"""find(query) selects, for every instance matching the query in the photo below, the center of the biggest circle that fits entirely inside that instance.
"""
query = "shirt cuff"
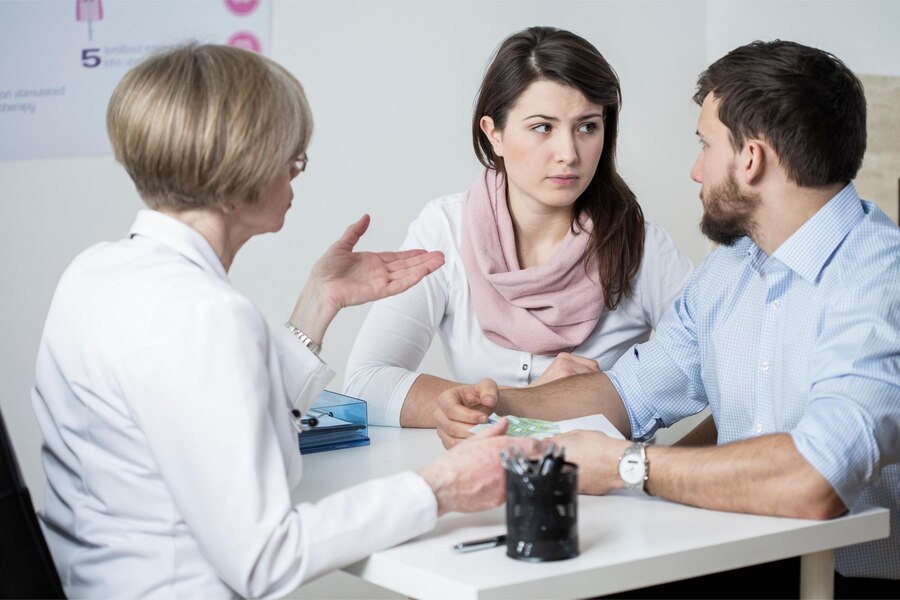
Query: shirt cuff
(838, 441)
(642, 421)
(398, 397)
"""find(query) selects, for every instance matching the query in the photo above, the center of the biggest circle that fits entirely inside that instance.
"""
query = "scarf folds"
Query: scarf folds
(546, 309)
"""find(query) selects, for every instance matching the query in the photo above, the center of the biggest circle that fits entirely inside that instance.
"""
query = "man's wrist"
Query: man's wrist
(634, 467)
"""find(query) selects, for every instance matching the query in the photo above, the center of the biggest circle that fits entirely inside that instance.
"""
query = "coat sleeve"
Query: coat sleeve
(202, 401)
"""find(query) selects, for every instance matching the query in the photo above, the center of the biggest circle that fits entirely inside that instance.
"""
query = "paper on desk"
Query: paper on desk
(538, 429)
(596, 422)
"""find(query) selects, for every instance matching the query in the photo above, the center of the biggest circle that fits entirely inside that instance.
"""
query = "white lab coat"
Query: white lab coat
(164, 401)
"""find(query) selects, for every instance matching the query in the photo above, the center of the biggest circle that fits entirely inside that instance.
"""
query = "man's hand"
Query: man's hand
(566, 365)
(459, 408)
(469, 477)
(597, 456)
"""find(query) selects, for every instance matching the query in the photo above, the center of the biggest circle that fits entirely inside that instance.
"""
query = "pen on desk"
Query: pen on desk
(482, 544)
(318, 412)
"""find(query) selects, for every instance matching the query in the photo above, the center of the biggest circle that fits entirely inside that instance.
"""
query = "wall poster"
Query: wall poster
(61, 59)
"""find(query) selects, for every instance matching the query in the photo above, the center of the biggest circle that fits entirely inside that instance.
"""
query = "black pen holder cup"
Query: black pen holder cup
(542, 515)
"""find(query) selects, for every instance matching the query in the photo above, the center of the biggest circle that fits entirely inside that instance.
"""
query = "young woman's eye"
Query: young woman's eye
(588, 127)
(542, 128)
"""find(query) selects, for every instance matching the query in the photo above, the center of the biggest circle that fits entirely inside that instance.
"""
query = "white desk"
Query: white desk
(626, 541)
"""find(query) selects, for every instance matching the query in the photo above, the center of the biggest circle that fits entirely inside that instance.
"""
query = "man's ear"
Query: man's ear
(494, 135)
(753, 161)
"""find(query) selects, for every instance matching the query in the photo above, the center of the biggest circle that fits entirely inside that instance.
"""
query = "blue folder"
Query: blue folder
(340, 422)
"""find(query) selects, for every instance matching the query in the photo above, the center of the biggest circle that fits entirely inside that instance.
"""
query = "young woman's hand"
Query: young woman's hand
(460, 408)
(566, 365)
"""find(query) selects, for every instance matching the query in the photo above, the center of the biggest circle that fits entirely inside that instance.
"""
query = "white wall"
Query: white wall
(862, 33)
(391, 86)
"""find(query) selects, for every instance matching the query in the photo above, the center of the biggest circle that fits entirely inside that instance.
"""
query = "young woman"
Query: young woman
(550, 268)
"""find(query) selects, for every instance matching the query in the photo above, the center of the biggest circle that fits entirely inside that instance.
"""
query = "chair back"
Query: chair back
(26, 566)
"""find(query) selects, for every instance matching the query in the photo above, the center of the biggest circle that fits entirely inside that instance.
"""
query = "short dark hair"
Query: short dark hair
(550, 54)
(803, 101)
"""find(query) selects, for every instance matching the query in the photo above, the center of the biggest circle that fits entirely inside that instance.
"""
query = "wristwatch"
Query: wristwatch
(634, 467)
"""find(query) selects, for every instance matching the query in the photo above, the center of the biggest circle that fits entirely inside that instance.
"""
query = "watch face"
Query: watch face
(631, 468)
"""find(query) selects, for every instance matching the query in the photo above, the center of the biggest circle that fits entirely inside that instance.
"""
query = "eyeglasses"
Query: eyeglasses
(300, 162)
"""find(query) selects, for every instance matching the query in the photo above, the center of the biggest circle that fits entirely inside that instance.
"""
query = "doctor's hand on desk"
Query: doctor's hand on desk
(460, 408)
(470, 478)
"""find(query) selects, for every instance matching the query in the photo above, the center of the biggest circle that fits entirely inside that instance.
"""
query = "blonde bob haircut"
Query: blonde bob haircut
(204, 125)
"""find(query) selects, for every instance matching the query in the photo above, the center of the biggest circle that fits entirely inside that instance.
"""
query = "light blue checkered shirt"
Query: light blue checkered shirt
(805, 341)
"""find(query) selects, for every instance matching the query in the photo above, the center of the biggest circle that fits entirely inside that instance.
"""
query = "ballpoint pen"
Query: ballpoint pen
(482, 544)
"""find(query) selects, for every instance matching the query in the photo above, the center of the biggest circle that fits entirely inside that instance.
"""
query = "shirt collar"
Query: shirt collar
(810, 247)
(183, 239)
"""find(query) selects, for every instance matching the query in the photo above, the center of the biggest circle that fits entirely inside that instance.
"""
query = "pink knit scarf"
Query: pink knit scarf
(546, 309)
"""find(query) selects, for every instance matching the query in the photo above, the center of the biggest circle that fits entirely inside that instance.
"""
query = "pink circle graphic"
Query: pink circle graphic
(245, 40)
(242, 7)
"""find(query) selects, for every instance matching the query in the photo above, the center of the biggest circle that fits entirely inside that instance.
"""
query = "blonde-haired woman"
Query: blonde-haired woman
(163, 397)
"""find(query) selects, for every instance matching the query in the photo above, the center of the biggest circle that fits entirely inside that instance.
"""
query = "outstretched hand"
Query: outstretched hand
(342, 278)
(350, 278)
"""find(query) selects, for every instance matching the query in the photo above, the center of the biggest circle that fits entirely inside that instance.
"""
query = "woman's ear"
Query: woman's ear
(494, 135)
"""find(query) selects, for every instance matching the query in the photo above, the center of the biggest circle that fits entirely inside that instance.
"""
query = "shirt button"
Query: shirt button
(776, 303)
(525, 367)
(758, 428)
(765, 366)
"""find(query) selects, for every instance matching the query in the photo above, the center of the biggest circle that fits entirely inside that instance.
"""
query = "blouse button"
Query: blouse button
(524, 367)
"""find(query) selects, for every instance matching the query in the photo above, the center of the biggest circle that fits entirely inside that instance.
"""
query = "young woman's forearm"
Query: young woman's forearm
(421, 400)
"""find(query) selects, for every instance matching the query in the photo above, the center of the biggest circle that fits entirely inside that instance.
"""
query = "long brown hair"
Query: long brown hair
(546, 53)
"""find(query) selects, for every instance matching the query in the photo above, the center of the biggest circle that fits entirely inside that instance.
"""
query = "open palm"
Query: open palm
(350, 278)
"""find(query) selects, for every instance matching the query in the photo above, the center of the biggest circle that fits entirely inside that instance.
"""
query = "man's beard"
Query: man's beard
(727, 217)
